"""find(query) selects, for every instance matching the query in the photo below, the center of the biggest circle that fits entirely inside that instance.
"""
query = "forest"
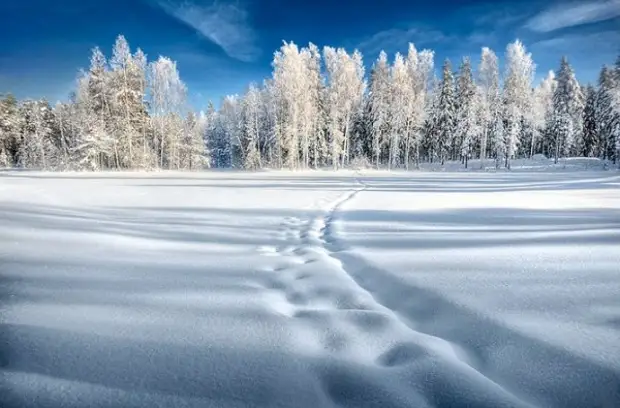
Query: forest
(318, 109)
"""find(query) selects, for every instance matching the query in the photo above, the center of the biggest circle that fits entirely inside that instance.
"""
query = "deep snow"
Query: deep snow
(311, 289)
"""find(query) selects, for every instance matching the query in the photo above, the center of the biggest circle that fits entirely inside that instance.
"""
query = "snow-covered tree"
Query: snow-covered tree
(227, 134)
(490, 101)
(167, 97)
(10, 136)
(606, 116)
(568, 105)
(401, 106)
(517, 95)
(420, 66)
(345, 92)
(591, 142)
(542, 109)
(251, 117)
(38, 149)
(379, 105)
(194, 154)
(127, 97)
(468, 109)
(444, 114)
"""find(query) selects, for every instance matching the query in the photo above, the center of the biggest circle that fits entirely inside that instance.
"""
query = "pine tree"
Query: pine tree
(194, 155)
(542, 111)
(445, 114)
(567, 110)
(10, 124)
(592, 144)
(38, 149)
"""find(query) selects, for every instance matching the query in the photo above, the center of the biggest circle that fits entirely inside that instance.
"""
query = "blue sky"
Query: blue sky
(223, 45)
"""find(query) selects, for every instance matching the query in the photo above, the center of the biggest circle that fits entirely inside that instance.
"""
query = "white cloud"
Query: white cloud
(224, 24)
(574, 14)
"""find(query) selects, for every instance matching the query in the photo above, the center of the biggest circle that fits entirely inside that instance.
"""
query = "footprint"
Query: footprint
(401, 354)
(297, 298)
(276, 284)
(367, 320)
(303, 276)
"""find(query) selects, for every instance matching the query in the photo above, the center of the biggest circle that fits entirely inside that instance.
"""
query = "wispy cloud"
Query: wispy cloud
(587, 52)
(224, 24)
(393, 38)
(574, 14)
(602, 41)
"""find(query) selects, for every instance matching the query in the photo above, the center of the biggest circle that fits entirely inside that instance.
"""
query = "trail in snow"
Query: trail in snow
(350, 323)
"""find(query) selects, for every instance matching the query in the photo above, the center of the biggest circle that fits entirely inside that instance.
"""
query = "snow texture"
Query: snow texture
(311, 289)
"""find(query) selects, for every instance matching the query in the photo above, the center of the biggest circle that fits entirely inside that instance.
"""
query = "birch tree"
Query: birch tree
(401, 106)
(345, 91)
(517, 94)
(167, 95)
(251, 127)
(490, 99)
(467, 125)
(379, 105)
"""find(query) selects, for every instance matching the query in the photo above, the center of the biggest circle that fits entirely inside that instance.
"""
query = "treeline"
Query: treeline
(317, 109)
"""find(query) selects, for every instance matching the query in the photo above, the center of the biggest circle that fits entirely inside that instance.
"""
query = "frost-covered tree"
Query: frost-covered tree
(517, 95)
(344, 94)
(444, 114)
(567, 110)
(312, 120)
(10, 135)
(490, 100)
(542, 110)
(127, 97)
(379, 105)
(468, 109)
(194, 155)
(251, 117)
(227, 134)
(420, 66)
(167, 100)
(591, 142)
(38, 148)
(401, 106)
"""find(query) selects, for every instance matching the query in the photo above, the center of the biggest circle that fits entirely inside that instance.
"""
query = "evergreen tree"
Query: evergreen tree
(10, 135)
(445, 114)
(592, 144)
(567, 110)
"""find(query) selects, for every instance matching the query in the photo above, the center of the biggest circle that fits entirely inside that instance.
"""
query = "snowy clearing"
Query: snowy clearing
(311, 289)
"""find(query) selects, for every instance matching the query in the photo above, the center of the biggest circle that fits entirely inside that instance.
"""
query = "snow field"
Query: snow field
(311, 289)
